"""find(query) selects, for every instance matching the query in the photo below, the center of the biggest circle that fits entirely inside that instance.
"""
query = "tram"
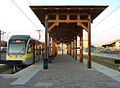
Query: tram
(24, 50)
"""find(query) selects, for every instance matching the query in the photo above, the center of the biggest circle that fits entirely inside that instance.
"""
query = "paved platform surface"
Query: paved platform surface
(64, 72)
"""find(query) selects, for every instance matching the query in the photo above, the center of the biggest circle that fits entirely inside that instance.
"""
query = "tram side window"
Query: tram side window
(35, 50)
(29, 47)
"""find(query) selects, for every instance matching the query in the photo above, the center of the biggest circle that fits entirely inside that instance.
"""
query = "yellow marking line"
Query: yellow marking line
(109, 70)
(22, 72)
(29, 69)
(26, 77)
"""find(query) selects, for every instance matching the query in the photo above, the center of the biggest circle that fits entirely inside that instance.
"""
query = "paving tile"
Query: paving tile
(66, 72)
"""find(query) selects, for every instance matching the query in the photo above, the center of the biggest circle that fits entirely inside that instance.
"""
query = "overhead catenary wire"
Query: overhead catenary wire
(28, 1)
(107, 16)
(108, 29)
(13, 1)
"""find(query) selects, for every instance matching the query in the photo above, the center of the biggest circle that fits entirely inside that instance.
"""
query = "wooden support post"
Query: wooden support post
(73, 48)
(67, 48)
(45, 60)
(53, 48)
(57, 50)
(76, 48)
(70, 48)
(81, 46)
(46, 36)
(89, 42)
(50, 45)
(62, 48)
(52, 51)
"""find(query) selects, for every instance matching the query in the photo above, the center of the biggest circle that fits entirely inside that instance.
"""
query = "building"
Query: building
(3, 44)
(112, 45)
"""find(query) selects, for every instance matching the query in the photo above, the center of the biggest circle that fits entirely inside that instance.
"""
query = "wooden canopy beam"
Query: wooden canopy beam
(52, 26)
(83, 26)
(71, 18)
(67, 21)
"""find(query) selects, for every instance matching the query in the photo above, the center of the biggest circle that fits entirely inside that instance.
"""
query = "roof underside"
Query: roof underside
(66, 31)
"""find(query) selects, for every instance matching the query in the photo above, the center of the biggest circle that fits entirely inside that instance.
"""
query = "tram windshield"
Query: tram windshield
(16, 47)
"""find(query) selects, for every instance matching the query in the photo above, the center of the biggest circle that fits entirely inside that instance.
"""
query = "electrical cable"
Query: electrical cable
(108, 29)
(24, 13)
(107, 15)
(28, 1)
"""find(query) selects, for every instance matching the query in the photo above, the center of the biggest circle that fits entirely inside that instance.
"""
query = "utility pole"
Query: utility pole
(2, 34)
(8, 34)
(39, 33)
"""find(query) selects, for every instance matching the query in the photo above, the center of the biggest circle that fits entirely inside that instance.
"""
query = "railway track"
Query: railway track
(108, 62)
(6, 69)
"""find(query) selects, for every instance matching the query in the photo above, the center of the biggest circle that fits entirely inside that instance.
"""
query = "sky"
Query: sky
(20, 19)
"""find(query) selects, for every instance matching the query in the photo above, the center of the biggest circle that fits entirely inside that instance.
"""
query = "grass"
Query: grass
(108, 62)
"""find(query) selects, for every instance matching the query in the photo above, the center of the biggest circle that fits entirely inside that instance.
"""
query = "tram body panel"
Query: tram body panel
(26, 59)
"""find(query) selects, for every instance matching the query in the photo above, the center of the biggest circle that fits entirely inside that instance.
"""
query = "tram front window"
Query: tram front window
(17, 47)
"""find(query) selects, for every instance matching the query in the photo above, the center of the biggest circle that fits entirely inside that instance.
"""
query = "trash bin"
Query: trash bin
(45, 63)
(50, 59)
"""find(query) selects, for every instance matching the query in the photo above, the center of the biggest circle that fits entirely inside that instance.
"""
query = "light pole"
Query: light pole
(39, 33)
(2, 33)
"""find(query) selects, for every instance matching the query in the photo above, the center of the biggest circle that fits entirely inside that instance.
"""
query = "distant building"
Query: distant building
(85, 45)
(112, 45)
(3, 43)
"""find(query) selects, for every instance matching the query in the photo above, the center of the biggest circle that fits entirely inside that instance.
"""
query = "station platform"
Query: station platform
(63, 72)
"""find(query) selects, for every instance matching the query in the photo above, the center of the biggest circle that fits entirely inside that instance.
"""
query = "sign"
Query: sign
(18, 41)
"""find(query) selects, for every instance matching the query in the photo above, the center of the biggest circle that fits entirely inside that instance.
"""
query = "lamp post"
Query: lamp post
(39, 33)
(2, 33)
